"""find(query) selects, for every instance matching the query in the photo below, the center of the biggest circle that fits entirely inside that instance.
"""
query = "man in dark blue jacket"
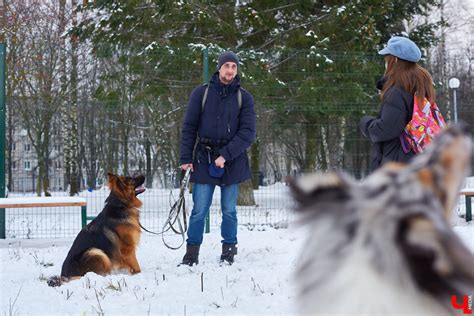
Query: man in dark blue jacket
(222, 128)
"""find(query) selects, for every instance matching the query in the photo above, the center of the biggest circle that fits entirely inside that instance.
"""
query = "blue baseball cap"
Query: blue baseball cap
(403, 48)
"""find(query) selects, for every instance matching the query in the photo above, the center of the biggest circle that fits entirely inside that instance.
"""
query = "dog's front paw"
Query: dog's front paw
(55, 281)
(135, 271)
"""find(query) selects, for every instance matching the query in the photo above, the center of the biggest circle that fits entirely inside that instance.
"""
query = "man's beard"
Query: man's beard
(225, 81)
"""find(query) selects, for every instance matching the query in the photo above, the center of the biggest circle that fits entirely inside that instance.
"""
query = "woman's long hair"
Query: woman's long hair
(410, 76)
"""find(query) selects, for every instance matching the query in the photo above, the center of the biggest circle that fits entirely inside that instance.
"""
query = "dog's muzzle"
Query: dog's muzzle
(140, 189)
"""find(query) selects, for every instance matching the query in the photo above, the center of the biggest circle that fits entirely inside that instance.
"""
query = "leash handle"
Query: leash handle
(185, 180)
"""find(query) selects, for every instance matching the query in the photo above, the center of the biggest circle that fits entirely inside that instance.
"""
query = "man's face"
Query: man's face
(227, 72)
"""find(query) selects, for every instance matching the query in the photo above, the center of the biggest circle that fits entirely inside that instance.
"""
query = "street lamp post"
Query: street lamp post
(454, 84)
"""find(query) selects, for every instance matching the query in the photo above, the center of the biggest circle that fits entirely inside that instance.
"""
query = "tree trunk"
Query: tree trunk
(73, 137)
(341, 144)
(310, 147)
(125, 158)
(110, 149)
(92, 159)
(64, 103)
(11, 86)
(125, 152)
(148, 171)
(45, 151)
(254, 163)
(39, 178)
(92, 117)
(246, 197)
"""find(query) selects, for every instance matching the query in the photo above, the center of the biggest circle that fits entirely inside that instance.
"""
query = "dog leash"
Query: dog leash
(174, 216)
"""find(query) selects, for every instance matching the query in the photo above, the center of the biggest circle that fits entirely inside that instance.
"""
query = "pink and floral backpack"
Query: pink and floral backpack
(426, 122)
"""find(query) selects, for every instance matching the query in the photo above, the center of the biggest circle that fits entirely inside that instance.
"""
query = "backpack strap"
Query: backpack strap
(206, 91)
(204, 97)
(439, 117)
(239, 98)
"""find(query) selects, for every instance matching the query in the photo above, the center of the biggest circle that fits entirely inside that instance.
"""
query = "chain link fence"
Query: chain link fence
(122, 112)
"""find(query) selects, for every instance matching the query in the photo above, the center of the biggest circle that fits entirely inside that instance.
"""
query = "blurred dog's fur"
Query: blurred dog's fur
(384, 246)
(109, 241)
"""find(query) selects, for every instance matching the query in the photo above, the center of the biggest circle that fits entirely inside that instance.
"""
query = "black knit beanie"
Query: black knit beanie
(225, 57)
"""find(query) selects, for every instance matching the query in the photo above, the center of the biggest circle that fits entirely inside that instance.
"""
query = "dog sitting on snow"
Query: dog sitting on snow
(109, 242)
(384, 246)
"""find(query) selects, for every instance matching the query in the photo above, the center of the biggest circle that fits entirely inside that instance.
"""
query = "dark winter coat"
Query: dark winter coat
(384, 130)
(228, 130)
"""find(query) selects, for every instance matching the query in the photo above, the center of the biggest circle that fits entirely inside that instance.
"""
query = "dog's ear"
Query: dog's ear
(314, 189)
(444, 165)
(455, 161)
(437, 258)
(113, 180)
(116, 182)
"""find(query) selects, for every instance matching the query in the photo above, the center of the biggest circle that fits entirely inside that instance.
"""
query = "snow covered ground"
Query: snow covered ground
(260, 281)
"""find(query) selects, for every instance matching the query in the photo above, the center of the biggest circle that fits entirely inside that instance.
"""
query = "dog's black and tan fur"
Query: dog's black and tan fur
(109, 241)
(385, 246)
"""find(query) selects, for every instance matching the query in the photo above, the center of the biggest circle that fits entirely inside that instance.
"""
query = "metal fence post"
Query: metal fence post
(2, 135)
(84, 216)
(468, 208)
(205, 65)
(205, 73)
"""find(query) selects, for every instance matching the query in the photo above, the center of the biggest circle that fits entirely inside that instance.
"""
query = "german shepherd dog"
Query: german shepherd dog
(109, 241)
(384, 246)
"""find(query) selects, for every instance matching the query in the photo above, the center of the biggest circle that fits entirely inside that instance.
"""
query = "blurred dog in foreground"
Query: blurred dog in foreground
(384, 246)
(110, 240)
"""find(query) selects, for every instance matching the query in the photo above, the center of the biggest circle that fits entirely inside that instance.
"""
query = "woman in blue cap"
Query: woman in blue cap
(403, 80)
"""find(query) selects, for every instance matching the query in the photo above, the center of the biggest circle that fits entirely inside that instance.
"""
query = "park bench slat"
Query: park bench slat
(25, 205)
(30, 202)
(41, 202)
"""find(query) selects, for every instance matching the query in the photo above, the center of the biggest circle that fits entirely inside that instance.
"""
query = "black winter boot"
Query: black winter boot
(228, 253)
(192, 255)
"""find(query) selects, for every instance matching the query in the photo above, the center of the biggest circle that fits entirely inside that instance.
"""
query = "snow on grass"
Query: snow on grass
(259, 282)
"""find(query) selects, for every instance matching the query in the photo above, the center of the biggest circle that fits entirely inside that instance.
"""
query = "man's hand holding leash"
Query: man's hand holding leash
(187, 166)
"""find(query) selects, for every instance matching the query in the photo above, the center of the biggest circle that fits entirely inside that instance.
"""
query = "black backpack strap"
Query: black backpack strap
(206, 91)
(239, 98)
(204, 97)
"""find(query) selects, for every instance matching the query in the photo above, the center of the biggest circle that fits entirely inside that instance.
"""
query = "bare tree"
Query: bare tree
(70, 123)
(38, 93)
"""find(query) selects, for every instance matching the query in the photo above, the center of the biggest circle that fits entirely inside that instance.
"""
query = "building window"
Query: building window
(27, 147)
(14, 165)
(13, 146)
(57, 164)
(27, 165)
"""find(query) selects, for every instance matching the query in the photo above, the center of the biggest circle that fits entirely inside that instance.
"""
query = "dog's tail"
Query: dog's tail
(57, 280)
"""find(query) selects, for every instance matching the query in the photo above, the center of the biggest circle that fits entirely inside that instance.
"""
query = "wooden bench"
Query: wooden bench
(468, 193)
(46, 202)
